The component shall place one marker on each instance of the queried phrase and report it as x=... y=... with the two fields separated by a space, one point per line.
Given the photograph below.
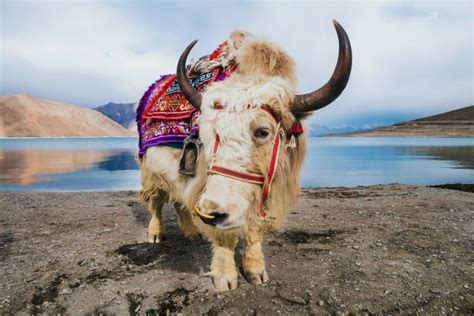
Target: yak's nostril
x=218 y=218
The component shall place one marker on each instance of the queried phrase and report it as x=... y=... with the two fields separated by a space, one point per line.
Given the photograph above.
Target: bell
x=188 y=162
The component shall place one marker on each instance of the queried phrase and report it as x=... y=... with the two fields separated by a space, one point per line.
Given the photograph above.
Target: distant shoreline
x=379 y=135
x=466 y=187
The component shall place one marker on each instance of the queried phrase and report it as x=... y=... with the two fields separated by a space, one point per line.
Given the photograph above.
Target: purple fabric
x=141 y=107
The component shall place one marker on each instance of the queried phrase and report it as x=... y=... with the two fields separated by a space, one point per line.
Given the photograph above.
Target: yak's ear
x=237 y=38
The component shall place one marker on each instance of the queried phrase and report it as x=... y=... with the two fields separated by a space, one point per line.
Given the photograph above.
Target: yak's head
x=245 y=112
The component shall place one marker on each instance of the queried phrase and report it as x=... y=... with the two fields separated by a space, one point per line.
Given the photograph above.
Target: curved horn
x=333 y=88
x=194 y=97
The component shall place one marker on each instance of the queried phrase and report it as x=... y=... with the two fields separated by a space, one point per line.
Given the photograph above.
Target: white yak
x=246 y=183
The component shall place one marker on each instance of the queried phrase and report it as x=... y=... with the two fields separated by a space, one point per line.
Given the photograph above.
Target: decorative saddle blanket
x=164 y=116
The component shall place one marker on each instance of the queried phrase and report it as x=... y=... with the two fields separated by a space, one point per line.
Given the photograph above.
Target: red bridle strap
x=238 y=175
x=252 y=177
x=244 y=176
x=271 y=170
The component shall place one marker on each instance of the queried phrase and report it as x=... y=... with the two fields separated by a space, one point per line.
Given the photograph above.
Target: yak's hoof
x=257 y=278
x=154 y=238
x=223 y=284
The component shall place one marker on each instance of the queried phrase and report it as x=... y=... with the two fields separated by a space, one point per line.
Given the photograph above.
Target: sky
x=410 y=58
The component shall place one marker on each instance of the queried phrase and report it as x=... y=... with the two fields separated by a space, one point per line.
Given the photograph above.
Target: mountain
x=122 y=113
x=320 y=130
x=459 y=115
x=26 y=116
x=454 y=123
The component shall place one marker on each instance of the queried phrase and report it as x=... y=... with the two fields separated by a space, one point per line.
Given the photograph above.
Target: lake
x=108 y=164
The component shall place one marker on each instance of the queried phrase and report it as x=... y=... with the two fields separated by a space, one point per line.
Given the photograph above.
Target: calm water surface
x=107 y=164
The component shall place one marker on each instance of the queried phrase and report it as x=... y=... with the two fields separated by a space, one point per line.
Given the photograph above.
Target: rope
x=205 y=65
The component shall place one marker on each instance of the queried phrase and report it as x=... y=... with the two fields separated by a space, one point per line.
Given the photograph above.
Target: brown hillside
x=463 y=114
x=457 y=123
x=26 y=116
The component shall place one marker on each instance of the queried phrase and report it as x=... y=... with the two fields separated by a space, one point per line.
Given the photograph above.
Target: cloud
x=85 y=52
x=410 y=58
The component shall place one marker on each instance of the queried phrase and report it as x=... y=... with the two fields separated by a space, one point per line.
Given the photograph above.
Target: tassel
x=292 y=143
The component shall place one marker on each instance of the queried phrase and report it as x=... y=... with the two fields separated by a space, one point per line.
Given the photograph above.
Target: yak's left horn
x=333 y=88
x=193 y=96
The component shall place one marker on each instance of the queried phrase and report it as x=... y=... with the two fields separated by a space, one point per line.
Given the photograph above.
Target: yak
x=250 y=158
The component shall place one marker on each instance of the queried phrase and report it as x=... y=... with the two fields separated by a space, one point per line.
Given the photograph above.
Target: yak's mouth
x=215 y=218
x=220 y=220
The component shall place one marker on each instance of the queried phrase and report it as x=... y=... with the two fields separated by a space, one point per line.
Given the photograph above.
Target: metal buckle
x=189 y=157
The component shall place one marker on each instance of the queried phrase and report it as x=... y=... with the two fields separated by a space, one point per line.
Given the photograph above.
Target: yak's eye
x=261 y=132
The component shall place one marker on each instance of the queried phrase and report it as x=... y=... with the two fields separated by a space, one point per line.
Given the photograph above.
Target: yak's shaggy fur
x=265 y=76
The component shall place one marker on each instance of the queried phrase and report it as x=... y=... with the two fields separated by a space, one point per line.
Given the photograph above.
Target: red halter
x=265 y=181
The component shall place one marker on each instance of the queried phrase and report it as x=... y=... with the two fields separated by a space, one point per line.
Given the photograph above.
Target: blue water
x=107 y=164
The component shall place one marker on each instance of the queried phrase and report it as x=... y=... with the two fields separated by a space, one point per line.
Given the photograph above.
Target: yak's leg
x=185 y=221
x=155 y=206
x=223 y=270
x=253 y=261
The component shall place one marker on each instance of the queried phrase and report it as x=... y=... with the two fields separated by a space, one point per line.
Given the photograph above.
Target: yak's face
x=246 y=135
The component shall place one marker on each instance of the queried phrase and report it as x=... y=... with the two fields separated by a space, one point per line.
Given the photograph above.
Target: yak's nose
x=218 y=218
x=211 y=208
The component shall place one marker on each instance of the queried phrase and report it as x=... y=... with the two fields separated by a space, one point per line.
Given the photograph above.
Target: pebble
x=466 y=286
x=321 y=303
x=358 y=264
x=299 y=300
x=65 y=292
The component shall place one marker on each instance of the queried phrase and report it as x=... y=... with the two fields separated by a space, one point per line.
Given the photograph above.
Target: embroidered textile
x=164 y=116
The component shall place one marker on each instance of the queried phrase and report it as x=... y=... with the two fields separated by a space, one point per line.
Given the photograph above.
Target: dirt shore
x=384 y=249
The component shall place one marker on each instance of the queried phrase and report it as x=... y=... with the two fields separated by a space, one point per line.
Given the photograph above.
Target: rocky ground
x=387 y=249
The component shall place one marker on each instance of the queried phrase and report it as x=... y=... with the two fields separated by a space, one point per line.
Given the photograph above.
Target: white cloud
x=61 y=42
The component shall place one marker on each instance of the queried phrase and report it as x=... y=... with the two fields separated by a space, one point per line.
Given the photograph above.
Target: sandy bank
x=378 y=249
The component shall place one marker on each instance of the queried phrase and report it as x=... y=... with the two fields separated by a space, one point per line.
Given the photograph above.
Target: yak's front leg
x=186 y=221
x=155 y=206
x=223 y=270
x=253 y=261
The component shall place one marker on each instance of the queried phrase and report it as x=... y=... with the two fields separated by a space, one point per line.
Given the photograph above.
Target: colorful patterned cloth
x=164 y=116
